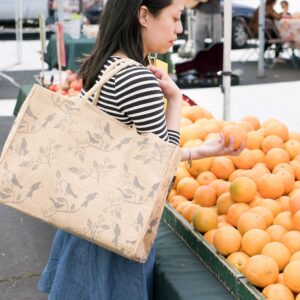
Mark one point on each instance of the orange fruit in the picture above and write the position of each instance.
(295, 202)
(279, 129)
(276, 232)
(188, 211)
(254, 139)
(292, 147)
(294, 136)
(212, 127)
(227, 240)
(183, 205)
(296, 220)
(295, 256)
(250, 220)
(253, 120)
(238, 133)
(284, 219)
(194, 112)
(185, 122)
(199, 165)
(264, 212)
(206, 177)
(238, 260)
(223, 203)
(187, 186)
(270, 186)
(261, 270)
(271, 141)
(291, 276)
(280, 278)
(246, 125)
(209, 236)
(181, 172)
(291, 240)
(277, 291)
(254, 240)
(171, 194)
(267, 122)
(205, 196)
(245, 160)
(222, 167)
(236, 173)
(205, 219)
(284, 167)
(242, 189)
(235, 211)
(276, 156)
(255, 202)
(177, 199)
(284, 202)
(220, 186)
(297, 171)
(272, 205)
(191, 132)
(259, 155)
(288, 181)
(279, 252)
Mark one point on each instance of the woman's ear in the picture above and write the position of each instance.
(143, 16)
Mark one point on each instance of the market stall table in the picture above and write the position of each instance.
(75, 49)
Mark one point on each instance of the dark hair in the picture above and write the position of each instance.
(119, 29)
(284, 2)
(270, 2)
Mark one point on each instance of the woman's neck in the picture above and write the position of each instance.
(120, 54)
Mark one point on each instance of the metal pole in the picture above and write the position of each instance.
(226, 58)
(261, 36)
(19, 29)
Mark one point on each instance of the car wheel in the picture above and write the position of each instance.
(239, 33)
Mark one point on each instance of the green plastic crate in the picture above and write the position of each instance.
(215, 262)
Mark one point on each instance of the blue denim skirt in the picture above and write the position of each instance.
(80, 270)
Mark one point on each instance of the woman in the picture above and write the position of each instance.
(80, 270)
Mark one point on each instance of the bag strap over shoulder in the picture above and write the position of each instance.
(112, 70)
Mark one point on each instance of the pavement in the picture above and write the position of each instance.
(25, 242)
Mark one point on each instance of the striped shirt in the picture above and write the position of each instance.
(134, 97)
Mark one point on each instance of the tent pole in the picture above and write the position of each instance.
(261, 36)
(226, 58)
(19, 29)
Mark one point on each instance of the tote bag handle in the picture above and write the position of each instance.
(112, 70)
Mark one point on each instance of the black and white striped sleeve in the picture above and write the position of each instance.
(140, 98)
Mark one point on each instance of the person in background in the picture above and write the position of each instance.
(271, 31)
(208, 23)
(285, 9)
(78, 269)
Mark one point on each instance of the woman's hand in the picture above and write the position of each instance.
(216, 147)
(169, 88)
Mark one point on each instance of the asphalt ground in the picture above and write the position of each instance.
(24, 247)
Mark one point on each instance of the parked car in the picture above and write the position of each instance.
(241, 16)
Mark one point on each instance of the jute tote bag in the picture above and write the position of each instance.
(73, 166)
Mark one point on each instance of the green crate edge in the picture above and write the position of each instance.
(233, 280)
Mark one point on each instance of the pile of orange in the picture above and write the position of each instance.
(247, 206)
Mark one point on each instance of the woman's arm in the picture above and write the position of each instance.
(173, 95)
(212, 147)
(270, 12)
